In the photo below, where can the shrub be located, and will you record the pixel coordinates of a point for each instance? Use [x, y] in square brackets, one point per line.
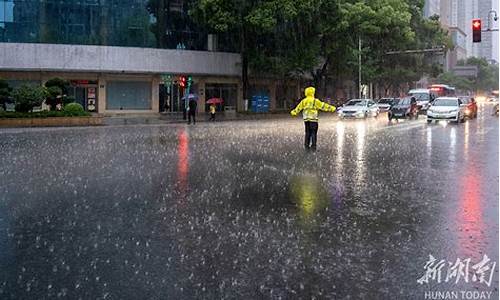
[74, 109]
[40, 114]
[57, 89]
[26, 97]
[5, 91]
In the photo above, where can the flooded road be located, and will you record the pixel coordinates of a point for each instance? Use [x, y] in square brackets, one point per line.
[239, 210]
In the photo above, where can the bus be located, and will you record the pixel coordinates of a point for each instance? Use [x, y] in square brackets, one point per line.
[442, 90]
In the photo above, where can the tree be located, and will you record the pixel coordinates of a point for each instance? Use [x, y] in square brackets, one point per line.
[253, 23]
[26, 97]
[5, 92]
[57, 90]
[487, 76]
[460, 83]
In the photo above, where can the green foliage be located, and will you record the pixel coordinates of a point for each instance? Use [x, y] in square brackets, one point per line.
[287, 38]
[74, 109]
[460, 83]
[41, 114]
[487, 77]
[5, 93]
[57, 90]
[26, 97]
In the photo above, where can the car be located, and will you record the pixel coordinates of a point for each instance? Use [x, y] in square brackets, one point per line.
[470, 108]
[423, 97]
[384, 104]
[402, 109]
[359, 108]
[446, 108]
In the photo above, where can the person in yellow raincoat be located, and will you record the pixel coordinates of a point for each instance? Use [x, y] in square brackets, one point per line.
[212, 112]
[310, 107]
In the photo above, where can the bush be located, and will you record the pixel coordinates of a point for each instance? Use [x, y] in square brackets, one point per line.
[40, 114]
[5, 91]
[74, 109]
[26, 97]
[58, 89]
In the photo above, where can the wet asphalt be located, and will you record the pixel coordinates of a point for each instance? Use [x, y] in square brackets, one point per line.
[239, 210]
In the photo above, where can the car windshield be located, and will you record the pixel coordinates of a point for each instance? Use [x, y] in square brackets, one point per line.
[356, 103]
[445, 102]
[405, 101]
[421, 96]
[384, 101]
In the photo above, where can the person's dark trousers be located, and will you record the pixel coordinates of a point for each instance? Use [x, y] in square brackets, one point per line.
[212, 117]
[311, 135]
[191, 114]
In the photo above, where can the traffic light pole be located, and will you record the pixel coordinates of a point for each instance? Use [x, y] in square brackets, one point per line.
[359, 67]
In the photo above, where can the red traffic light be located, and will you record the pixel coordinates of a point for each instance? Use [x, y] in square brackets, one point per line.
[182, 81]
[476, 30]
[476, 24]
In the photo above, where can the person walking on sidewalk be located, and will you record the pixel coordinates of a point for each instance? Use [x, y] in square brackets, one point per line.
[310, 107]
[192, 105]
[212, 112]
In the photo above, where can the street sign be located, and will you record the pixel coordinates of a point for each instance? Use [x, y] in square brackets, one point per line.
[465, 71]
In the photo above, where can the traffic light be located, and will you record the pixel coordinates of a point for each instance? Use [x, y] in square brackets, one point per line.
[182, 81]
[476, 30]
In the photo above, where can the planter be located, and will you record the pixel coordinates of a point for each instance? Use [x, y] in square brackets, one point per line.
[50, 122]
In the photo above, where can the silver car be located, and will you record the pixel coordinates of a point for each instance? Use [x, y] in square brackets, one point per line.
[359, 108]
[385, 104]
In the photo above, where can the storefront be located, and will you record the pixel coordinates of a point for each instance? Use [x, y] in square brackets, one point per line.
[84, 92]
[227, 91]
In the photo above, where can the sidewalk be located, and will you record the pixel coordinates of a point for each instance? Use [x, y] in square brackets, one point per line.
[177, 118]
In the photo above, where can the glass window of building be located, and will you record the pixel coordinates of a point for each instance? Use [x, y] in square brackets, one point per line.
[128, 95]
[228, 92]
[134, 23]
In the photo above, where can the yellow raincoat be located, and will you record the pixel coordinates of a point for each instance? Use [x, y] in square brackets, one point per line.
[311, 106]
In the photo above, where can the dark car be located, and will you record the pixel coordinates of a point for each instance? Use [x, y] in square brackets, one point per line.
[384, 104]
[470, 107]
[403, 109]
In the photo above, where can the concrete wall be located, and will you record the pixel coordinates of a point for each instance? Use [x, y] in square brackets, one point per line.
[80, 58]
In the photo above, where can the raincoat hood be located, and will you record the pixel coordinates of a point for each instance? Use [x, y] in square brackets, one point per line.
[310, 91]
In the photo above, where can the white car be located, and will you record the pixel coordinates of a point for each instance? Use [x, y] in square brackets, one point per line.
[384, 104]
[446, 108]
[359, 108]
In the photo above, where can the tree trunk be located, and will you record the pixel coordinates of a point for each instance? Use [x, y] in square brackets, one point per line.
[244, 65]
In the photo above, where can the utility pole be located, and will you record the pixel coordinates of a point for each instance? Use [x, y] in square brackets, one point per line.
[359, 67]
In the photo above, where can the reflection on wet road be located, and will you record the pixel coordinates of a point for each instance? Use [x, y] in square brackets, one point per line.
[239, 210]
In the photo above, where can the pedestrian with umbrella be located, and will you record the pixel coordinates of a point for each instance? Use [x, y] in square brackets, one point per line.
[213, 102]
[192, 105]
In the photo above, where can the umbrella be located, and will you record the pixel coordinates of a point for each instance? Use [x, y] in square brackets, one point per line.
[215, 101]
[190, 97]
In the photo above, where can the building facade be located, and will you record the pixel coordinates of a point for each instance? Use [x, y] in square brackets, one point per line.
[431, 8]
[122, 56]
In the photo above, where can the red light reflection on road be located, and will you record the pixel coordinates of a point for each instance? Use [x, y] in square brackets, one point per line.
[470, 218]
[182, 165]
